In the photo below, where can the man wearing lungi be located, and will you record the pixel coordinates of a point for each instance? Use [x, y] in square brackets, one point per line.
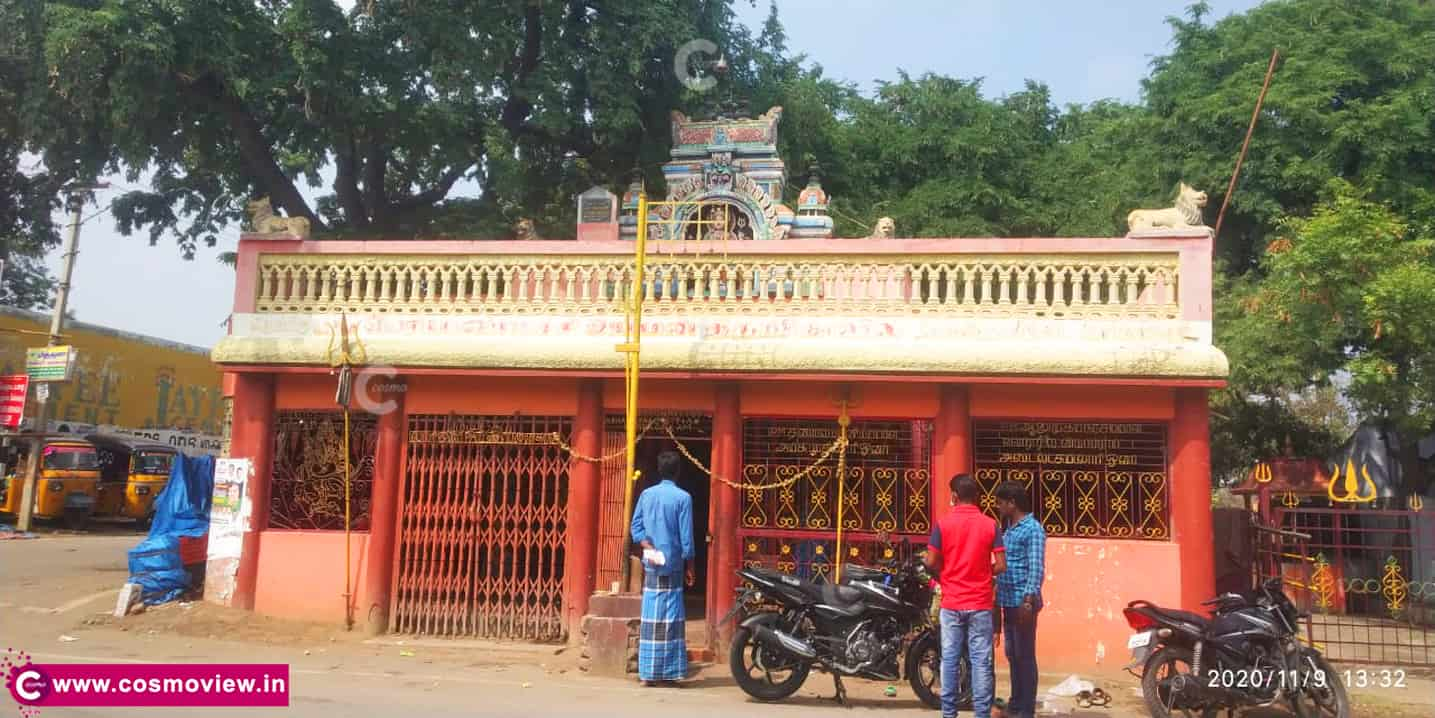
[663, 526]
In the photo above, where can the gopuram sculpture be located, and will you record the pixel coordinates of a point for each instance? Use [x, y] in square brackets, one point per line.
[732, 167]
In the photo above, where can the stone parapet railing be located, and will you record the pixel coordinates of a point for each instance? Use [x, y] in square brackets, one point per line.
[1126, 306]
[1095, 285]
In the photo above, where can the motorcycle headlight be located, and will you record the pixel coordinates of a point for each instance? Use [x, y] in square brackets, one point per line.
[57, 486]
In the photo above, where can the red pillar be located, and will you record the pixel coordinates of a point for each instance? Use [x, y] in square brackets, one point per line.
[726, 555]
[384, 508]
[1190, 496]
[952, 446]
[585, 486]
[251, 436]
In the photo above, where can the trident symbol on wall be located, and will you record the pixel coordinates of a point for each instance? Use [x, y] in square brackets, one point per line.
[342, 354]
[1262, 473]
[1354, 490]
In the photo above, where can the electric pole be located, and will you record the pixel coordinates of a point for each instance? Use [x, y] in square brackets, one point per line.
[75, 202]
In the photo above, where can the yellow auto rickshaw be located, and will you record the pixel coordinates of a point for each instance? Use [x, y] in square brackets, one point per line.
[132, 473]
[67, 487]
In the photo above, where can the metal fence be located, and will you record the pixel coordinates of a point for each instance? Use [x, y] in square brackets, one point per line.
[1365, 576]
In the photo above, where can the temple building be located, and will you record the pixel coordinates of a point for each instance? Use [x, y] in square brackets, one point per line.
[487, 433]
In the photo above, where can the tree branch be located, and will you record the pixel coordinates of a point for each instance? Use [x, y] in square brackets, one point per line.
[434, 193]
[376, 165]
[519, 106]
[254, 149]
[520, 68]
[346, 183]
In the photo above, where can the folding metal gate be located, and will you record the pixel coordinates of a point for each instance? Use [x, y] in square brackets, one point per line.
[610, 518]
[482, 527]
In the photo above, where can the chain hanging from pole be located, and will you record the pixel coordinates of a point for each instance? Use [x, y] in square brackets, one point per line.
[839, 444]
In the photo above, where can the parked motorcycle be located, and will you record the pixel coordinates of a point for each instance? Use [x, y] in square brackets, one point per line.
[1246, 654]
[875, 625]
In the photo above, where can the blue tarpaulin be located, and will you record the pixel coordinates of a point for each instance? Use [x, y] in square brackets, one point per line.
[181, 509]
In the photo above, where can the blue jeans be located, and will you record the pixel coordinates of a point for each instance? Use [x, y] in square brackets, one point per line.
[1021, 662]
[970, 631]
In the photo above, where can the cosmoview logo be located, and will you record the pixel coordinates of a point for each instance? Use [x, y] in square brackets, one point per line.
[27, 683]
[691, 56]
[373, 388]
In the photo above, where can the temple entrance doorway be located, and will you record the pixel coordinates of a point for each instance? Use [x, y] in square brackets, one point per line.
[691, 436]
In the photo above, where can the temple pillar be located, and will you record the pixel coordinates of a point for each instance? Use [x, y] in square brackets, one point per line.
[384, 509]
[585, 493]
[1190, 497]
[727, 462]
[952, 450]
[252, 437]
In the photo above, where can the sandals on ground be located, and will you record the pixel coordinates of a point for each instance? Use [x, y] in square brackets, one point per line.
[1093, 698]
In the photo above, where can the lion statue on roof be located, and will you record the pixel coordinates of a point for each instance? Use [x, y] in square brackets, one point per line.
[884, 229]
[1186, 213]
[265, 221]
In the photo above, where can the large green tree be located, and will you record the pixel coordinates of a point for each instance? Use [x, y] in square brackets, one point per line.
[1351, 98]
[388, 104]
[1349, 291]
[27, 191]
[384, 108]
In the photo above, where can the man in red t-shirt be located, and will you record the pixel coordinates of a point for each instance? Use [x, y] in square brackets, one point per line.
[966, 553]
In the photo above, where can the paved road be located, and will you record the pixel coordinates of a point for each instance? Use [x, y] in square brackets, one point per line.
[61, 585]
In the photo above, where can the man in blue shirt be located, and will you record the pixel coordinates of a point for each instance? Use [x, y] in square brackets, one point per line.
[1019, 593]
[663, 526]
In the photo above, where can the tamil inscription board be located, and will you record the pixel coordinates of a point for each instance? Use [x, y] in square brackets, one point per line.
[1087, 479]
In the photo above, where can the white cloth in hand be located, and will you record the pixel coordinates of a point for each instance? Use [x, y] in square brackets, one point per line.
[654, 557]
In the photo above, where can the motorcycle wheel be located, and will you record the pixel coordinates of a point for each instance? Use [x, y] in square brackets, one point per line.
[1174, 660]
[762, 672]
[1327, 701]
[924, 673]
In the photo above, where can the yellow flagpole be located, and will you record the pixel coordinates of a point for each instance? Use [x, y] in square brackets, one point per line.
[630, 349]
[842, 421]
[348, 570]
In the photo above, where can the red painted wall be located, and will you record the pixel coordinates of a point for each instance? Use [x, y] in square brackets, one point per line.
[301, 575]
[871, 399]
[305, 391]
[1088, 582]
[1072, 402]
[668, 394]
[433, 394]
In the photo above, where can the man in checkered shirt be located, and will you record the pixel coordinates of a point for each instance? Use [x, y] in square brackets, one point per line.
[1019, 593]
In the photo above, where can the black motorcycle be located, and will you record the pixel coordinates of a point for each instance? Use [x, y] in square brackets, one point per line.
[875, 625]
[1246, 654]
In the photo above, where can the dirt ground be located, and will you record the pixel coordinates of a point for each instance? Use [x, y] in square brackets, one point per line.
[57, 592]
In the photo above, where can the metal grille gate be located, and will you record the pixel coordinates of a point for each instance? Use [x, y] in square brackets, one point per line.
[1363, 575]
[887, 490]
[482, 527]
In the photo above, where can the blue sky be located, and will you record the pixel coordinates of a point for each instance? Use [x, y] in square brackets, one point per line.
[1083, 51]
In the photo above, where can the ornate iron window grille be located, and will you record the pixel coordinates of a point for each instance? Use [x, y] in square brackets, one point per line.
[307, 485]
